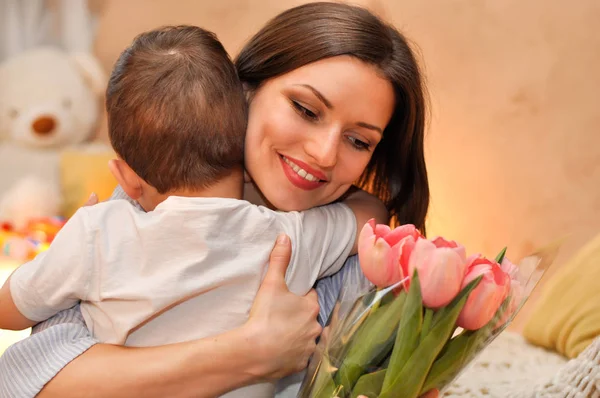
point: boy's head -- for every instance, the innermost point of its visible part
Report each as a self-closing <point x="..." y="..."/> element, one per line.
<point x="176" y="111"/>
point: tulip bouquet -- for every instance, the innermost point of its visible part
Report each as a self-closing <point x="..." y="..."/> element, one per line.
<point x="431" y="310"/>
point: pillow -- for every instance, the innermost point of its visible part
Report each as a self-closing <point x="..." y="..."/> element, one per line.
<point x="567" y="316"/>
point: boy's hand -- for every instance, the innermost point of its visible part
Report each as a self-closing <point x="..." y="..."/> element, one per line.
<point x="92" y="200"/>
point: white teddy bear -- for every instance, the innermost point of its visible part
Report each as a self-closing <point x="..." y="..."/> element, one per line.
<point x="49" y="100"/>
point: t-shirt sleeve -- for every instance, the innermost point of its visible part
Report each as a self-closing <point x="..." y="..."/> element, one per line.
<point x="322" y="239"/>
<point x="28" y="365"/>
<point x="58" y="278"/>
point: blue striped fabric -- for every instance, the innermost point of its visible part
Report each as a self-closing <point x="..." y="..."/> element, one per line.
<point x="28" y="365"/>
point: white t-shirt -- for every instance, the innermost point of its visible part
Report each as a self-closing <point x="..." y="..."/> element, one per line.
<point x="189" y="269"/>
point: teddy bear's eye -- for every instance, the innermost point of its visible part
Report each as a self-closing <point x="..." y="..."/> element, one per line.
<point x="13" y="113"/>
<point x="67" y="103"/>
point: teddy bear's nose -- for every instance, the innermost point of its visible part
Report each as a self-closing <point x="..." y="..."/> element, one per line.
<point x="44" y="125"/>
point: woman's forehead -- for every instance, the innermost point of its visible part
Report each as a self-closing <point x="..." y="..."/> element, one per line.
<point x="345" y="83"/>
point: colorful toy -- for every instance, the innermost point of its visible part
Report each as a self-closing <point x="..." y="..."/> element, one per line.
<point x="26" y="243"/>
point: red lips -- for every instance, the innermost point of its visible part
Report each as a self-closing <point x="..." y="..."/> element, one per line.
<point x="298" y="181"/>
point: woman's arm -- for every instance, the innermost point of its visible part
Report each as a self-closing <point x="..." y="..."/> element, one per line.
<point x="202" y="368"/>
<point x="278" y="339"/>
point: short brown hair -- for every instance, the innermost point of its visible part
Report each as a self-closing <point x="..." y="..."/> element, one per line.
<point x="176" y="109"/>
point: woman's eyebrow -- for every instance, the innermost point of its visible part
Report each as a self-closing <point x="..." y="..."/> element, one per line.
<point x="370" y="127"/>
<point x="318" y="94"/>
<point x="328" y="104"/>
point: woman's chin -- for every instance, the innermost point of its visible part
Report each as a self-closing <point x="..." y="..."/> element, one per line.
<point x="292" y="204"/>
<point x="289" y="207"/>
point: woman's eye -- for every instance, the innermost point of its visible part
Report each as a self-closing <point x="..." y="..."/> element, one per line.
<point x="358" y="144"/>
<point x="307" y="113"/>
<point x="66" y="103"/>
<point x="13" y="113"/>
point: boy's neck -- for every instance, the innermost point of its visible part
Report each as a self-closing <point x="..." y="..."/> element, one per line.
<point x="231" y="187"/>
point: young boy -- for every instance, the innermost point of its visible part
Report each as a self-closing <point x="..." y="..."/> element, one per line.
<point x="190" y="265"/>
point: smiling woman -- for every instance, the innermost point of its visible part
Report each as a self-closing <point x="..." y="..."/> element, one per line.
<point x="335" y="98"/>
<point x="309" y="115"/>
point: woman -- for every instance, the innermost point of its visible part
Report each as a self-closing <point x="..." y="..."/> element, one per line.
<point x="335" y="99"/>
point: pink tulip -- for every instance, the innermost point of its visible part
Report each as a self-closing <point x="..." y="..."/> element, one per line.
<point x="381" y="250"/>
<point x="485" y="299"/>
<point x="441" y="267"/>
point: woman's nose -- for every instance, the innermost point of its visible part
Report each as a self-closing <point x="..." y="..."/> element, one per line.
<point x="324" y="150"/>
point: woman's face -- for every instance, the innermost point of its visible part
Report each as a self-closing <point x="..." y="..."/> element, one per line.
<point x="312" y="131"/>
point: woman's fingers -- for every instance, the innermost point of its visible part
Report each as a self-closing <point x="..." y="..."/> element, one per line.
<point x="279" y="261"/>
<point x="284" y="324"/>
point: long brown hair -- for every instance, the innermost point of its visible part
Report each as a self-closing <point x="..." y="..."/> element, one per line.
<point x="396" y="173"/>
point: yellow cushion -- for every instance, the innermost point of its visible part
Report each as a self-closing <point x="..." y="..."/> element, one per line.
<point x="82" y="172"/>
<point x="567" y="317"/>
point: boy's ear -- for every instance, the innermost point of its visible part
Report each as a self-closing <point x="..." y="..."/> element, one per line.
<point x="126" y="178"/>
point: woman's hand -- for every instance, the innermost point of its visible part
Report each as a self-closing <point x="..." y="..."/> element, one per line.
<point x="283" y="326"/>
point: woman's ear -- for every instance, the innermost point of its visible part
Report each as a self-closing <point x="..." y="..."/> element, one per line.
<point x="126" y="178"/>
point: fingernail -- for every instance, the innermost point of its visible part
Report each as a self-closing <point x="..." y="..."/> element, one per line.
<point x="93" y="196"/>
<point x="283" y="239"/>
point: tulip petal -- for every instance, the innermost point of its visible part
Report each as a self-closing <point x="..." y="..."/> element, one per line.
<point x="441" y="242"/>
<point x="382" y="230"/>
<point x="421" y="252"/>
<point x="441" y="277"/>
<point x="401" y="232"/>
<point x="377" y="260"/>
<point x="487" y="297"/>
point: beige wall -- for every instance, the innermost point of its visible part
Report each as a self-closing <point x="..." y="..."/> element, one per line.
<point x="514" y="139"/>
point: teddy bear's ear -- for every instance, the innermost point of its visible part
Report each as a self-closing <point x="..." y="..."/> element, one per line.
<point x="91" y="71"/>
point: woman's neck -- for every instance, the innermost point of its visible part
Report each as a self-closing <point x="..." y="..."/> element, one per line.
<point x="253" y="195"/>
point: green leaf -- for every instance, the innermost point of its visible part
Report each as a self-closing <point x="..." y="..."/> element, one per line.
<point x="501" y="255"/>
<point x="369" y="384"/>
<point x="426" y="323"/>
<point x="446" y="365"/>
<point x="372" y="342"/>
<point x="409" y="381"/>
<point x="409" y="330"/>
<point x="459" y="351"/>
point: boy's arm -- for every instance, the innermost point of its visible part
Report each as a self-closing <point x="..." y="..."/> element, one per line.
<point x="365" y="207"/>
<point x="323" y="237"/>
<point x="54" y="280"/>
<point x="10" y="317"/>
